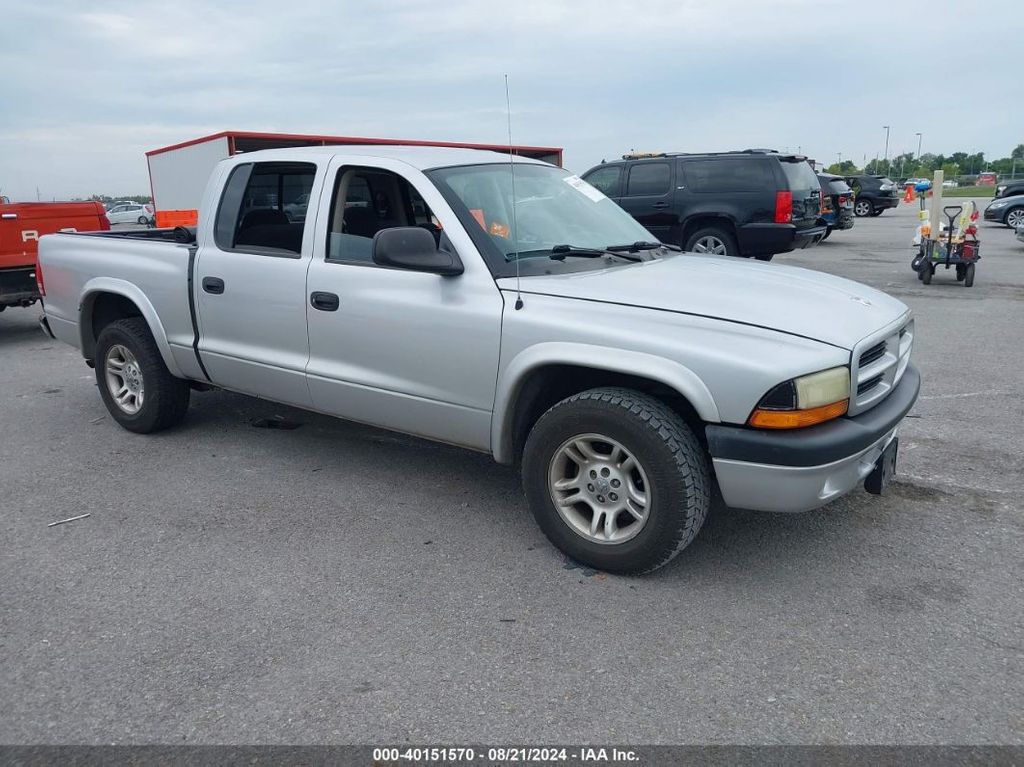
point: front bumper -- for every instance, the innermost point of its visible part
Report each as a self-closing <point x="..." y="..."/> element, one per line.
<point x="803" y="469"/>
<point x="994" y="214"/>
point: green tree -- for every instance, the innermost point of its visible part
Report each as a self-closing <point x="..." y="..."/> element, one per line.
<point x="1018" y="152"/>
<point x="844" y="168"/>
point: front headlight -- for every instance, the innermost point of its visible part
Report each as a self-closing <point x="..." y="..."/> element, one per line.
<point x="997" y="204"/>
<point x="804" y="401"/>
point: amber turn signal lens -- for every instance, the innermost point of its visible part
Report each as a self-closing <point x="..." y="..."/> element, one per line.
<point x="797" y="419"/>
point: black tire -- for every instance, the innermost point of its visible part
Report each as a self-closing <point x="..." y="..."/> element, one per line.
<point x="142" y="221"/>
<point x="764" y="256"/>
<point x="723" y="235"/>
<point x="926" y="274"/>
<point x="969" y="276"/>
<point x="675" y="465"/>
<point x="828" y="231"/>
<point x="862" y="208"/>
<point x="961" y="271"/>
<point x="877" y="212"/>
<point x="165" y="398"/>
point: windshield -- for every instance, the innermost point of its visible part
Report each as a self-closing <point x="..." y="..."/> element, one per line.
<point x="552" y="208"/>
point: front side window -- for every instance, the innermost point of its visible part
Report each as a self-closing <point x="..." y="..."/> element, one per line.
<point x="367" y="200"/>
<point x="648" y="178"/>
<point x="552" y="208"/>
<point x="263" y="208"/>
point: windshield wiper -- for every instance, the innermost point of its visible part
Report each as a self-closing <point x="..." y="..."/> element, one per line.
<point x="636" y="247"/>
<point x="559" y="252"/>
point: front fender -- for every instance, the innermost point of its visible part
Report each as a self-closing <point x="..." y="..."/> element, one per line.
<point x="642" y="364"/>
<point x="98" y="285"/>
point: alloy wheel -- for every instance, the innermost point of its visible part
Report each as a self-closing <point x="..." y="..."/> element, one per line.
<point x="599" y="489"/>
<point x="124" y="379"/>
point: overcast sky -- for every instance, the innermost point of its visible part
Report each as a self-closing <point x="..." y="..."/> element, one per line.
<point x="87" y="88"/>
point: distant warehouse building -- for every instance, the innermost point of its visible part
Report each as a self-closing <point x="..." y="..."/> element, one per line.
<point x="178" y="173"/>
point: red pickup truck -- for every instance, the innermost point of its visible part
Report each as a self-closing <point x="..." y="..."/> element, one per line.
<point x="21" y="226"/>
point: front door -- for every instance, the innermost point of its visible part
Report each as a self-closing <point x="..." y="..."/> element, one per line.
<point x="250" y="283"/>
<point x="647" y="196"/>
<point x="406" y="350"/>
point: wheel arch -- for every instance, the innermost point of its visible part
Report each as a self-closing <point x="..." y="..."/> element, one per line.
<point x="547" y="373"/>
<point x="106" y="300"/>
<point x="697" y="220"/>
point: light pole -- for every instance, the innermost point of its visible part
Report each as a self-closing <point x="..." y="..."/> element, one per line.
<point x="918" y="145"/>
<point x="886" y="156"/>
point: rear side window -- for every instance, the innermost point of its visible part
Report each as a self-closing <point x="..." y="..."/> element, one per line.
<point x="263" y="208"/>
<point x="648" y="178"/>
<point x="838" y="186"/>
<point x="800" y="175"/>
<point x="732" y="174"/>
<point x="606" y="179"/>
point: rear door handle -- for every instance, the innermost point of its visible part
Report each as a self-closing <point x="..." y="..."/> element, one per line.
<point x="213" y="285"/>
<point x="661" y="204"/>
<point x="325" y="302"/>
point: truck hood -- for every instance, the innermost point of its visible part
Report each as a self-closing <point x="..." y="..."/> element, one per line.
<point x="788" y="299"/>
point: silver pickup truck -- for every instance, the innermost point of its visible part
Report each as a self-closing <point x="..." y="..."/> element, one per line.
<point x="508" y="307"/>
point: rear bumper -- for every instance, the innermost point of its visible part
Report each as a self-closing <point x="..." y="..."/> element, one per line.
<point x="881" y="203"/>
<point x="805" y="238"/>
<point x="806" y="468"/>
<point x="757" y="239"/>
<point x="18" y="286"/>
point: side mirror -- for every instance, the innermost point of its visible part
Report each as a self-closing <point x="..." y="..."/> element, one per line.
<point x="413" y="248"/>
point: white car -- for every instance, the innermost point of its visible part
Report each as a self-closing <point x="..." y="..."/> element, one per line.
<point x="131" y="213"/>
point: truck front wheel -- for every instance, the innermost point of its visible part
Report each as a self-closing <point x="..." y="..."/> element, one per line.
<point x="135" y="384"/>
<point x="616" y="480"/>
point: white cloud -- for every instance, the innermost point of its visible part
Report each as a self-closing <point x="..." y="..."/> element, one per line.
<point x="86" y="92"/>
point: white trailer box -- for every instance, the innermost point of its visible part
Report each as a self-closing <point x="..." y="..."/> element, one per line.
<point x="178" y="173"/>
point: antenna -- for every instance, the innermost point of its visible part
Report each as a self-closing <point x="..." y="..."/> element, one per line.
<point x="512" y="169"/>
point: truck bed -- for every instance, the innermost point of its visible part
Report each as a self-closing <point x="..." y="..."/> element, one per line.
<point x="154" y="270"/>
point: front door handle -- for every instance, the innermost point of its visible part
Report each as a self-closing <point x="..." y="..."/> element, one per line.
<point x="325" y="302"/>
<point x="213" y="285"/>
<point x="661" y="204"/>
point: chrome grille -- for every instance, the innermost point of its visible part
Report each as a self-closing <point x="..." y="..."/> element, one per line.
<point x="878" y="365"/>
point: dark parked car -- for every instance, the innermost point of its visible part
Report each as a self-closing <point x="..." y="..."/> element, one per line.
<point x="836" y="203"/>
<point x="873" y="194"/>
<point x="753" y="203"/>
<point x="1006" y="210"/>
<point x="1010" y="189"/>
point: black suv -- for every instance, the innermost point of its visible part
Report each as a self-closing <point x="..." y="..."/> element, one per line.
<point x="873" y="194"/>
<point x="750" y="203"/>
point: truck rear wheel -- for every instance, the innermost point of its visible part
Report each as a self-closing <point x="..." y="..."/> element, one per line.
<point x="139" y="391"/>
<point x="616" y="480"/>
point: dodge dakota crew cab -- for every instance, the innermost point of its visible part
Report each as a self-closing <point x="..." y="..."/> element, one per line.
<point x="509" y="307"/>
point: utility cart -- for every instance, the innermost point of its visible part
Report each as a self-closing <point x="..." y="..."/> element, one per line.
<point x="958" y="247"/>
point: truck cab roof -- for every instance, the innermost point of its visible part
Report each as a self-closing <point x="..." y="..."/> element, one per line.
<point x="420" y="157"/>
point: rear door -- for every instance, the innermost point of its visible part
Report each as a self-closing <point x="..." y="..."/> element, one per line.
<point x="250" y="282"/>
<point x="803" y="182"/>
<point x="647" y="196"/>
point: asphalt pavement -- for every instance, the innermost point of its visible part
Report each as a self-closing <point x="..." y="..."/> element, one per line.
<point x="333" y="583"/>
